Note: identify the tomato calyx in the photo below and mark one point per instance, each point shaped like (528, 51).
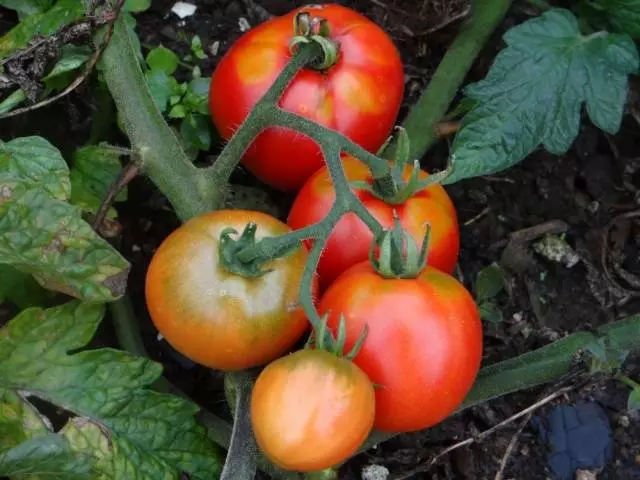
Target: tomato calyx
(392, 188)
(321, 338)
(316, 30)
(233, 252)
(398, 255)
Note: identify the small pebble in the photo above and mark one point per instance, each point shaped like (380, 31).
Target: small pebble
(183, 9)
(375, 472)
(244, 25)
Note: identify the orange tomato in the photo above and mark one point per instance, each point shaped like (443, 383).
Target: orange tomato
(424, 345)
(359, 96)
(216, 318)
(311, 410)
(350, 241)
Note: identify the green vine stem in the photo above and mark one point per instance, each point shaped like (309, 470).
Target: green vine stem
(434, 102)
(540, 366)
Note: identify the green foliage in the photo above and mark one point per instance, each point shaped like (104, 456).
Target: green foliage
(119, 428)
(42, 234)
(196, 48)
(489, 283)
(163, 59)
(21, 289)
(27, 7)
(535, 89)
(606, 355)
(621, 15)
(95, 168)
(633, 402)
(136, 6)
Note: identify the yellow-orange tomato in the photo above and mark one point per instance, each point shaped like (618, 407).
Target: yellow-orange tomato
(311, 410)
(350, 241)
(359, 96)
(216, 318)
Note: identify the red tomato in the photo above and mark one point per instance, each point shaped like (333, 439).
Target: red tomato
(214, 317)
(424, 345)
(311, 410)
(359, 96)
(351, 240)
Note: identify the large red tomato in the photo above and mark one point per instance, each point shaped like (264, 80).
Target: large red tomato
(359, 96)
(311, 410)
(217, 318)
(424, 345)
(351, 239)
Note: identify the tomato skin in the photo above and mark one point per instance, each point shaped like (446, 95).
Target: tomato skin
(359, 96)
(424, 345)
(311, 410)
(215, 318)
(350, 241)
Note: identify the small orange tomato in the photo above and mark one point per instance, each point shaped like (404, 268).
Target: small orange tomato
(311, 410)
(424, 343)
(350, 241)
(220, 319)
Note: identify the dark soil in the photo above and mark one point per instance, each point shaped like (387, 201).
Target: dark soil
(595, 183)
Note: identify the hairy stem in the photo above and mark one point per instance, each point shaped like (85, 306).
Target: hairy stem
(422, 120)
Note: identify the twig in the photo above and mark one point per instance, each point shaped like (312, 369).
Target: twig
(512, 445)
(446, 22)
(478, 438)
(604, 251)
(83, 76)
(128, 173)
(477, 217)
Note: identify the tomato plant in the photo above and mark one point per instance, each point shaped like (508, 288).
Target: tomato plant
(311, 410)
(424, 343)
(350, 240)
(215, 317)
(359, 95)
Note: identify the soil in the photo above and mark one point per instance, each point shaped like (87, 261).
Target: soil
(588, 188)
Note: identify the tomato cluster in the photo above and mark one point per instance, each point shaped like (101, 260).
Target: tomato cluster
(314, 408)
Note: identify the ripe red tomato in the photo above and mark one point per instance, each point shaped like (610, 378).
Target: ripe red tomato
(424, 345)
(359, 96)
(311, 410)
(351, 239)
(217, 318)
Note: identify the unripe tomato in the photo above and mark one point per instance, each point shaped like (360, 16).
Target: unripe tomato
(359, 96)
(311, 410)
(424, 345)
(216, 318)
(350, 241)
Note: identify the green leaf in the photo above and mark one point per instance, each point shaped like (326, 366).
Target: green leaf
(489, 282)
(94, 170)
(129, 430)
(163, 59)
(12, 101)
(21, 289)
(196, 48)
(72, 58)
(178, 111)
(490, 312)
(45, 457)
(136, 6)
(46, 23)
(623, 15)
(535, 89)
(40, 233)
(633, 403)
(27, 7)
(161, 86)
(196, 130)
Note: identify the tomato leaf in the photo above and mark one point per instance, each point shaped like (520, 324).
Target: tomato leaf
(45, 23)
(535, 89)
(490, 312)
(622, 15)
(94, 170)
(136, 6)
(633, 403)
(21, 288)
(489, 282)
(12, 101)
(27, 7)
(72, 58)
(126, 429)
(42, 234)
(163, 59)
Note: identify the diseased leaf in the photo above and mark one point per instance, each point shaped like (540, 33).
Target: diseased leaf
(129, 430)
(94, 170)
(41, 234)
(48, 456)
(623, 15)
(535, 90)
(46, 23)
